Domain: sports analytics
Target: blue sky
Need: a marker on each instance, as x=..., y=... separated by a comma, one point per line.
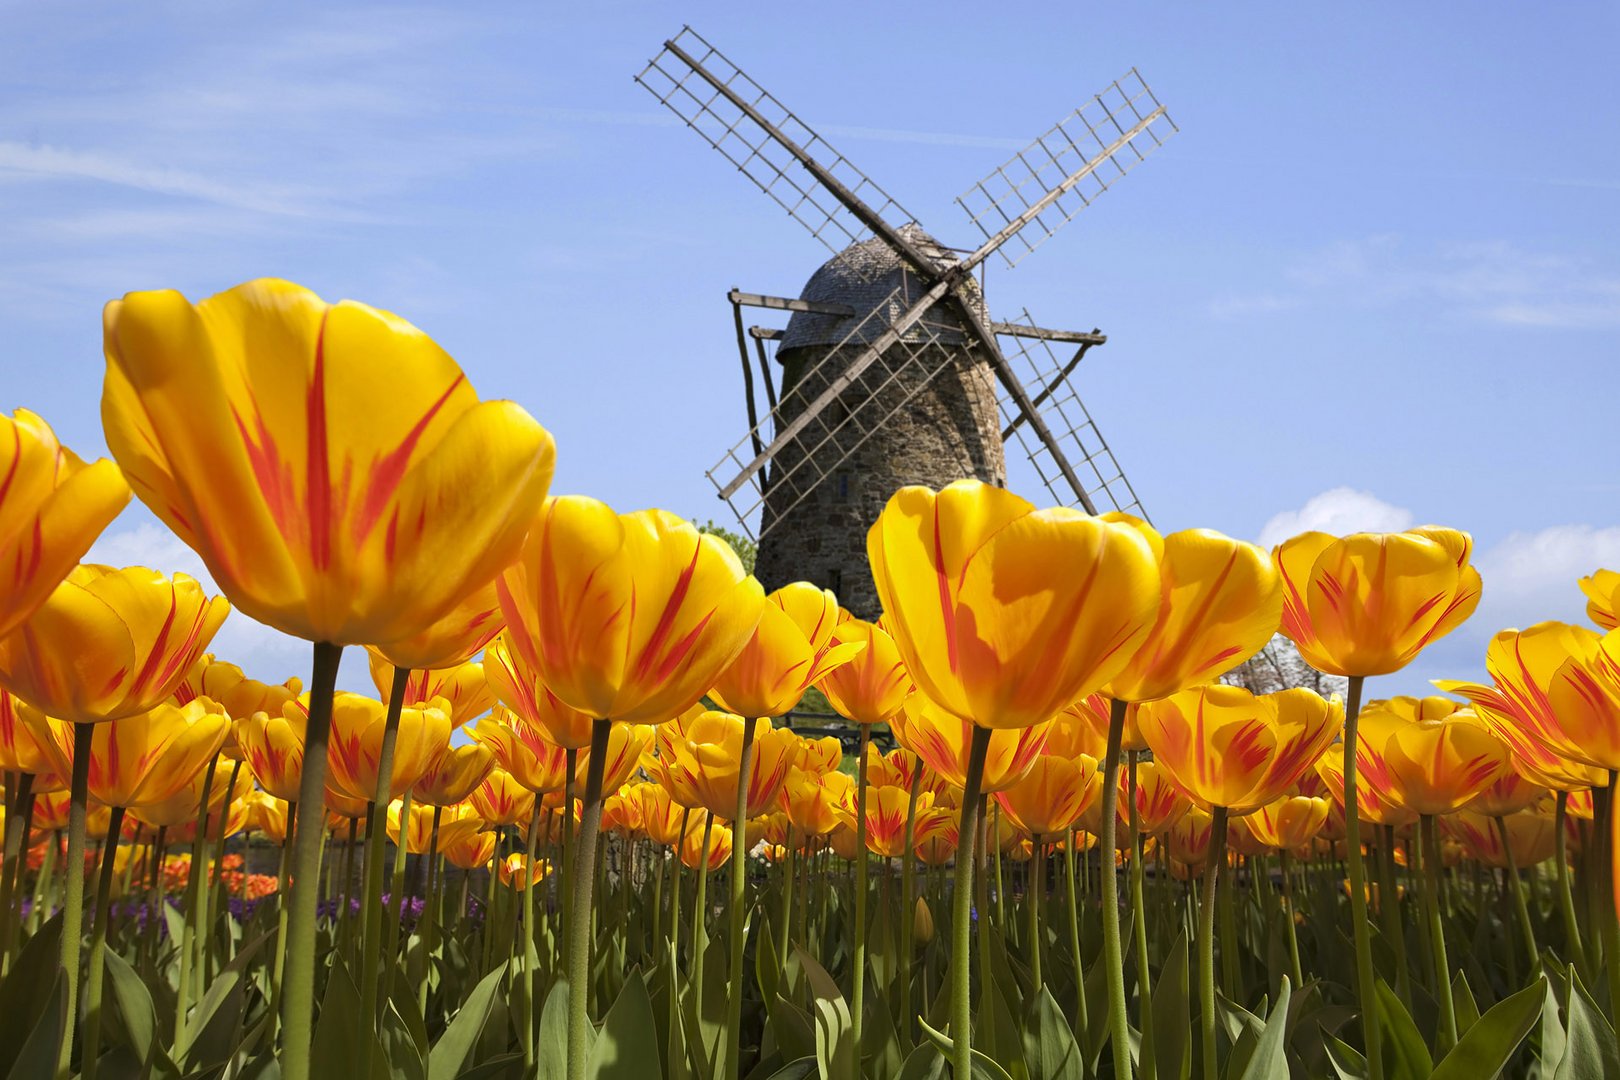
x=1374, y=282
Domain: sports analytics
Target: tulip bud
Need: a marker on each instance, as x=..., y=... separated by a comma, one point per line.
x=922, y=924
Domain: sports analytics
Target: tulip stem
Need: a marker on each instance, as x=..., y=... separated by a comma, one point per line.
x=1119, y=1031
x=1605, y=800
x=785, y=869
x=1082, y=1021
x=1566, y=899
x=98, y=949
x=1288, y=916
x=73, y=886
x=579, y=921
x=298, y=991
x=432, y=901
x=1389, y=908
x=1147, y=1067
x=376, y=831
x=189, y=929
x=739, y=895
x=674, y=947
x=908, y=902
x=281, y=919
x=1206, y=937
x=397, y=895
x=962, y=910
x=1437, y=938
x=700, y=917
x=20, y=805
x=1521, y=908
x=1366, y=978
x=525, y=959
x=857, y=995
x=1032, y=900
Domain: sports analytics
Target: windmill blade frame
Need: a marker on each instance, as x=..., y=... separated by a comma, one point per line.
x=1062, y=172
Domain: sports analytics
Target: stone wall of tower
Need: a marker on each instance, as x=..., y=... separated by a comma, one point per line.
x=950, y=430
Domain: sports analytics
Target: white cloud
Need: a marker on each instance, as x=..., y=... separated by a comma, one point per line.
x=1488, y=281
x=1530, y=576
x=1338, y=511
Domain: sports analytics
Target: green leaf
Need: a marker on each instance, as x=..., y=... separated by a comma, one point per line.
x=1049, y=1047
x=1464, y=1006
x=340, y=1046
x=1590, y=1052
x=1485, y=1049
x=982, y=1065
x=1347, y=1062
x=213, y=1028
x=131, y=1018
x=1172, y=1021
x=627, y=1046
x=1550, y=1052
x=399, y=1045
x=449, y=1055
x=924, y=1063
x=800, y=1069
x=1269, y=1062
x=36, y=1054
x=793, y=1028
x=21, y=1003
x=1406, y=1057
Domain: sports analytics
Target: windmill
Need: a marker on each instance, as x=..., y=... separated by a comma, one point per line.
x=893, y=370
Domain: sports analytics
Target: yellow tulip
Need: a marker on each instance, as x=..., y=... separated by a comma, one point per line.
x=517, y=872
x=626, y=616
x=23, y=747
x=273, y=746
x=453, y=774
x=1050, y=798
x=516, y=682
x=1437, y=757
x=707, y=763
x=1226, y=747
x=268, y=814
x=330, y=463
x=627, y=743
x=1375, y=794
x=1367, y=604
x=502, y=800
x=943, y=742
x=660, y=815
x=1602, y=591
x=871, y=685
x=791, y=649
x=420, y=832
x=108, y=643
x=180, y=808
x=1159, y=802
x=462, y=685
x=814, y=801
x=355, y=752
x=1553, y=748
x=1188, y=839
x=141, y=759
x=535, y=762
x=465, y=843
x=719, y=850
x=1005, y=614
x=1532, y=836
x=52, y=508
x=1220, y=602
x=822, y=755
x=448, y=643
x=1287, y=823
x=621, y=812
x=237, y=694
x=886, y=811
x=1509, y=793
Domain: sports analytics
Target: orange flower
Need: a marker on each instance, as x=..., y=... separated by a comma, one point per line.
x=942, y=741
x=886, y=812
x=23, y=748
x=1052, y=795
x=872, y=685
x=52, y=507
x=330, y=463
x=1220, y=602
x=1290, y=822
x=1437, y=757
x=461, y=685
x=706, y=762
x=627, y=744
x=791, y=649
x=517, y=872
x=822, y=755
x=420, y=833
x=814, y=802
x=1509, y=793
x=1367, y=604
x=502, y=800
x=537, y=763
x=518, y=685
x=141, y=759
x=237, y=694
x=108, y=643
x=1188, y=839
x=627, y=616
x=1375, y=793
x=180, y=808
x=660, y=815
x=354, y=756
x=453, y=774
x=719, y=851
x=1159, y=803
x=273, y=747
x=1532, y=836
x=1224, y=746
x=1524, y=665
x=986, y=626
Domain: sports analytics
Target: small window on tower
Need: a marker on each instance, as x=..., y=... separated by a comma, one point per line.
x=837, y=581
x=841, y=482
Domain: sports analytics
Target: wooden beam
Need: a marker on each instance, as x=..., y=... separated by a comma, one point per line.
x=782, y=303
x=1073, y=337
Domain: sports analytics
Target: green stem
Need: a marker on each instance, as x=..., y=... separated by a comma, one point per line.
x=1288, y=917
x=579, y=925
x=298, y=991
x=785, y=870
x=1566, y=898
x=430, y=912
x=525, y=959
x=675, y=884
x=1366, y=977
x=1081, y=1020
x=189, y=927
x=89, y=1058
x=1119, y=1029
x=1229, y=952
x=1389, y=910
x=1437, y=938
x=19, y=808
x=962, y=913
x=279, y=970
x=1147, y=1066
x=220, y=894
x=908, y=908
x=1206, y=938
x=739, y=886
x=376, y=831
x=1610, y=913
x=1032, y=900
x=73, y=890
x=1519, y=904
x=857, y=975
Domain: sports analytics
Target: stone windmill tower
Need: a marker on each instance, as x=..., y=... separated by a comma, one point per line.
x=892, y=370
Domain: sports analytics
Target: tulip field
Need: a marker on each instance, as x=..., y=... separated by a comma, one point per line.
x=572, y=835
